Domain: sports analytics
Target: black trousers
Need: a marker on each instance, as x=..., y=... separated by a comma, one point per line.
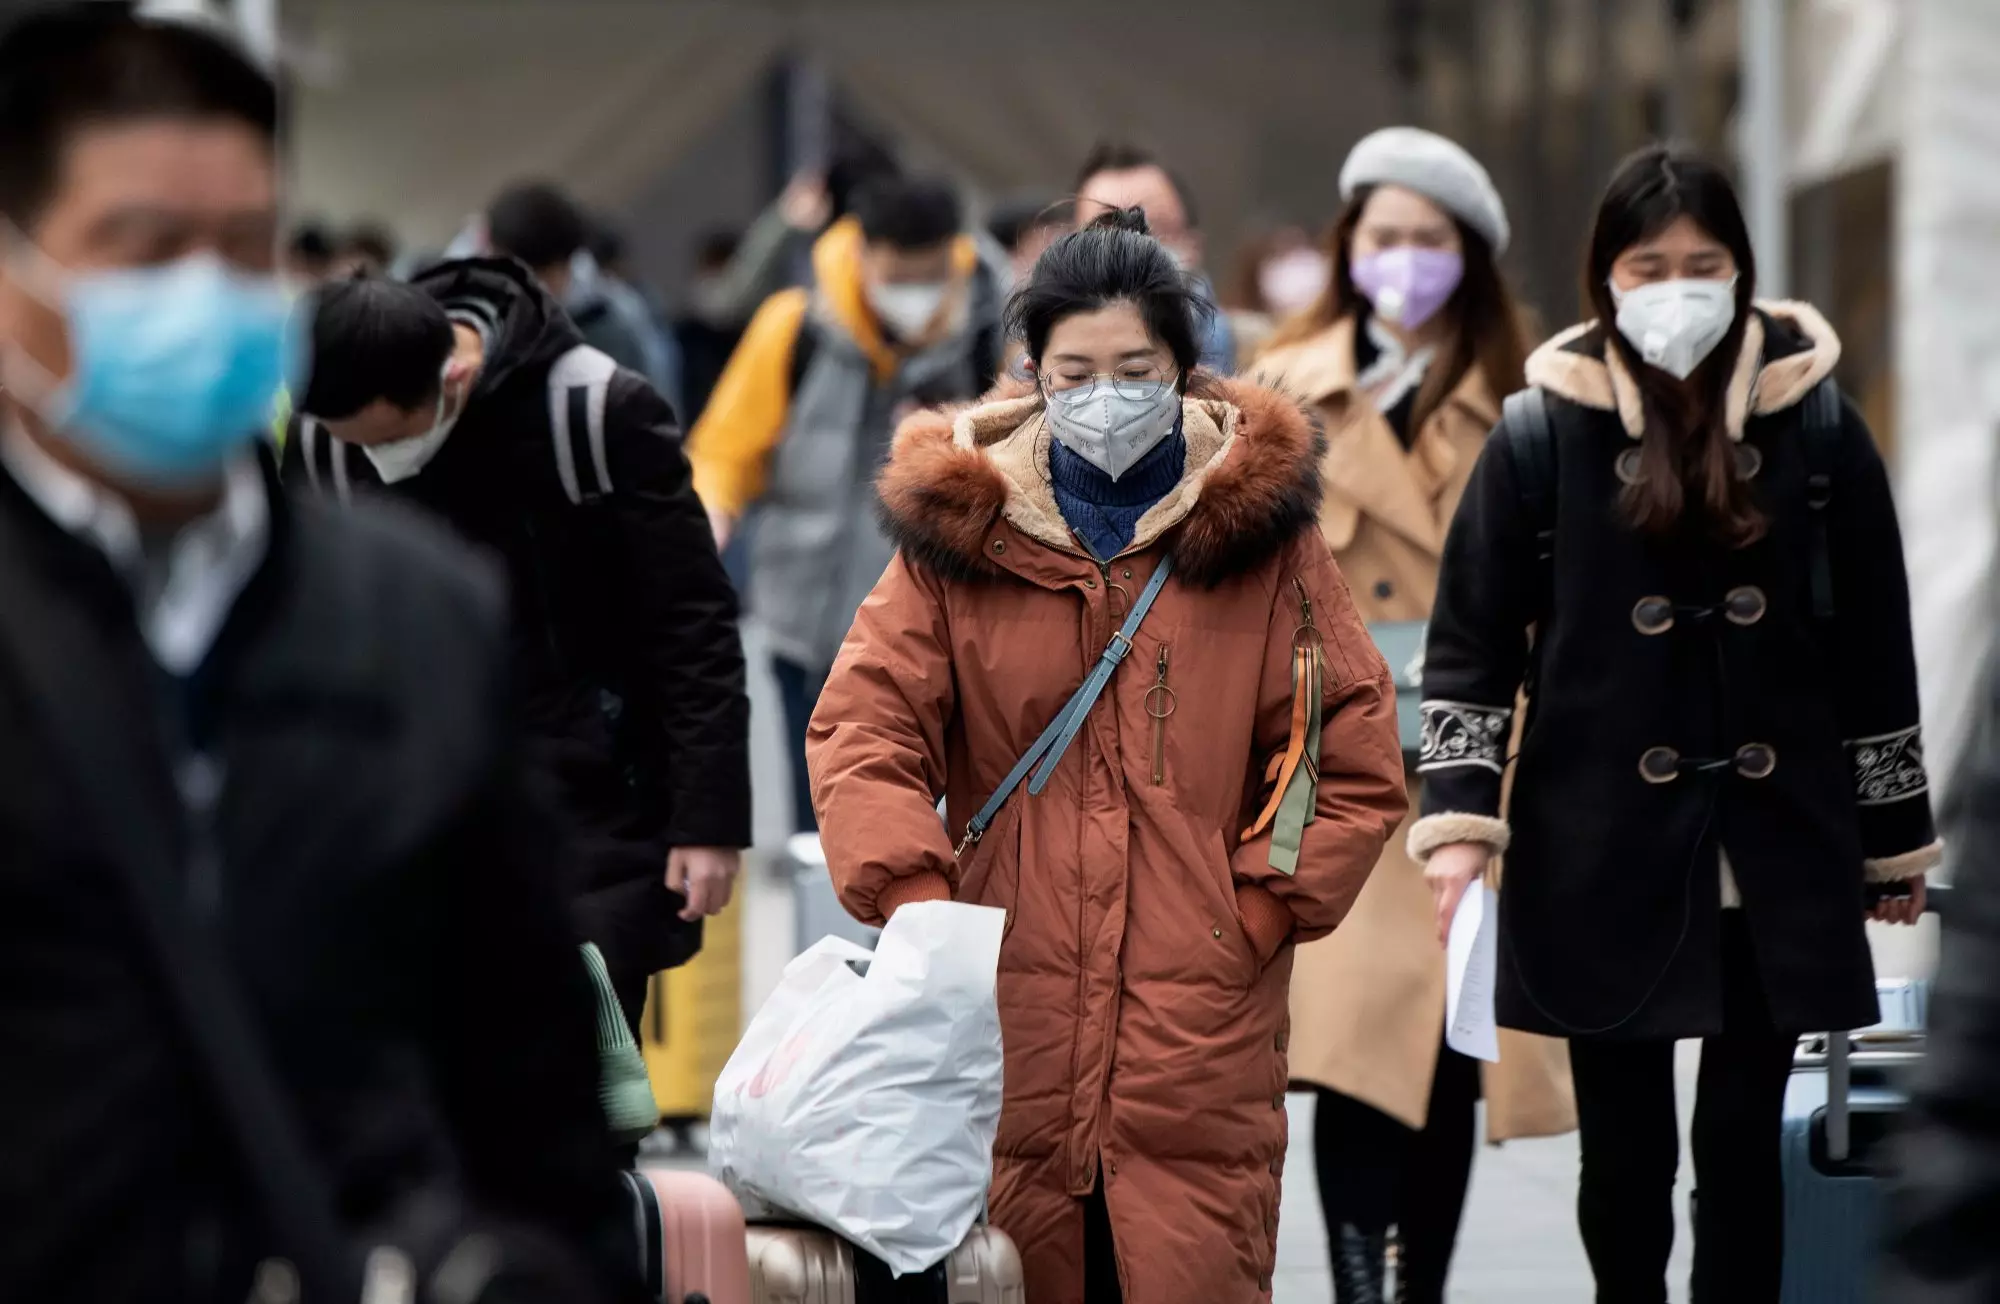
x=798, y=692
x=1375, y=1173
x=1631, y=1150
x=1100, y=1259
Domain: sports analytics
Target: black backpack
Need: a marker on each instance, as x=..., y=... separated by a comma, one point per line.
x=1528, y=428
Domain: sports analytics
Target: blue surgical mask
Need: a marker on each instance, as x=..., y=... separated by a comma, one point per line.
x=173, y=369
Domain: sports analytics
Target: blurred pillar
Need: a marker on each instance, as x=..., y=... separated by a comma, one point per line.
x=1601, y=132
x=1680, y=71
x=1763, y=146
x=1536, y=199
x=1406, y=57
x=808, y=115
x=1948, y=350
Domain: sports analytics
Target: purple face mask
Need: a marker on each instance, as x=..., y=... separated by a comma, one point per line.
x=1408, y=286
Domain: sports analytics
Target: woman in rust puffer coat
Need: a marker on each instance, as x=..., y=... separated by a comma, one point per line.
x=1154, y=889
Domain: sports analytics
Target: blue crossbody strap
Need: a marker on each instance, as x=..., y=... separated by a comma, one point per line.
x=1062, y=731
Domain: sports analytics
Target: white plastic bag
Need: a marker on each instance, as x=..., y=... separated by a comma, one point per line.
x=866, y=1092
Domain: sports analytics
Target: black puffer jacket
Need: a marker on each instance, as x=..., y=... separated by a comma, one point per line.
x=625, y=631
x=383, y=894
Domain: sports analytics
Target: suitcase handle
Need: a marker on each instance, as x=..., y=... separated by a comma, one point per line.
x=1840, y=1060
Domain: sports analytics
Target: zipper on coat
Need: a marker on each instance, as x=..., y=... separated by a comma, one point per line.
x=1160, y=703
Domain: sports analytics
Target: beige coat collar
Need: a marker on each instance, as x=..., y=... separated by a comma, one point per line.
x=1365, y=463
x=1579, y=366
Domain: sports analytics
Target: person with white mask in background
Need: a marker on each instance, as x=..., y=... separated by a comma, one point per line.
x=1404, y=356
x=1690, y=560
x=901, y=313
x=469, y=393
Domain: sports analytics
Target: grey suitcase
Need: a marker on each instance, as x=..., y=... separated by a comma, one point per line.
x=816, y=909
x=1847, y=1094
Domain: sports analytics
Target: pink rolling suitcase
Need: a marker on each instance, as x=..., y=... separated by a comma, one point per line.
x=807, y=1265
x=691, y=1238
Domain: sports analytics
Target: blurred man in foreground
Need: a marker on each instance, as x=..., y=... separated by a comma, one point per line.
x=901, y=314
x=1118, y=176
x=243, y=740
x=469, y=393
x=1946, y=1198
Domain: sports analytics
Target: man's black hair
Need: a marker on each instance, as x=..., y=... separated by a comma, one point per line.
x=908, y=212
x=311, y=242
x=606, y=242
x=370, y=240
x=374, y=338
x=1124, y=156
x=536, y=223
x=1013, y=220
x=83, y=65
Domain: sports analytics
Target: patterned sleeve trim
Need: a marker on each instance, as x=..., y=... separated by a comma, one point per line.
x=1889, y=768
x=1461, y=734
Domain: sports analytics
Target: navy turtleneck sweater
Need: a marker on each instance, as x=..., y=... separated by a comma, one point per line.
x=1105, y=512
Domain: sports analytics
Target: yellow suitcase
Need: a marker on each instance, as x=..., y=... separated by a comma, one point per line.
x=693, y=1018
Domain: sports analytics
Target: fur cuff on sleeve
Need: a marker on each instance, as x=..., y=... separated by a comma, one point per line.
x=1434, y=831
x=1911, y=864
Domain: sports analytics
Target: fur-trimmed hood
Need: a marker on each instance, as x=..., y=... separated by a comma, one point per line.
x=1787, y=349
x=1251, y=483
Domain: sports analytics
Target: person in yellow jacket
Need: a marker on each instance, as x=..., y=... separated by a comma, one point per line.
x=900, y=313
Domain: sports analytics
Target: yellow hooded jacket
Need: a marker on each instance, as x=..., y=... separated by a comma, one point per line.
x=746, y=416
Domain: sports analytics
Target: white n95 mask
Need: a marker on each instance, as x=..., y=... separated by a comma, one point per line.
x=907, y=309
x=1110, y=430
x=1676, y=324
x=398, y=461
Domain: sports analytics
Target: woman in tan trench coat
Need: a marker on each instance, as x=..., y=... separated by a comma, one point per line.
x=1155, y=886
x=1405, y=359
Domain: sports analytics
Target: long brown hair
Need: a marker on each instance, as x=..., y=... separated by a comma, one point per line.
x=1486, y=327
x=1686, y=455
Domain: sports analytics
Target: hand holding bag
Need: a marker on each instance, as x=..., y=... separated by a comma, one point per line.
x=865, y=1095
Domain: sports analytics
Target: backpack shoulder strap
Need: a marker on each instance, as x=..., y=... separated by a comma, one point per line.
x=1531, y=441
x=325, y=461
x=1819, y=434
x=579, y=382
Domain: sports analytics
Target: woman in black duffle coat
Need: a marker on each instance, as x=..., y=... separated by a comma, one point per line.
x=1721, y=775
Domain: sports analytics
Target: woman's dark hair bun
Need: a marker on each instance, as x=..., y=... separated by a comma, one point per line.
x=1114, y=259
x=1131, y=219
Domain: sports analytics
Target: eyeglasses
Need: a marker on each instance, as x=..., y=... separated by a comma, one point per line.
x=1134, y=381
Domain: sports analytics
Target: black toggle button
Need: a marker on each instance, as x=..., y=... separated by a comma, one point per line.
x=1749, y=461
x=1745, y=605
x=1660, y=765
x=1653, y=615
x=1384, y=589
x=1627, y=466
x=1756, y=760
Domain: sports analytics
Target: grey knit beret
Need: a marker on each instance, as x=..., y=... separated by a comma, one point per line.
x=1435, y=168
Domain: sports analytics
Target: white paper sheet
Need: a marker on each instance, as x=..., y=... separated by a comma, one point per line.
x=1471, y=961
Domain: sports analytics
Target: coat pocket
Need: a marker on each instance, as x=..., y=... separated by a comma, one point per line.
x=1229, y=929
